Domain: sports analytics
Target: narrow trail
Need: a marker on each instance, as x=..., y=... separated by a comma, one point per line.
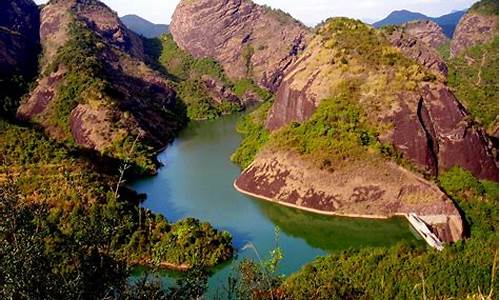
x=479, y=74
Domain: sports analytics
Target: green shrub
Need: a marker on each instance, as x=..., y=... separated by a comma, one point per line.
x=473, y=76
x=255, y=135
x=409, y=272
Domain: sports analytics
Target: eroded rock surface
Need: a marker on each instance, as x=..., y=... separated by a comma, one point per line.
x=138, y=102
x=247, y=39
x=419, y=41
x=474, y=29
x=428, y=32
x=375, y=189
x=428, y=124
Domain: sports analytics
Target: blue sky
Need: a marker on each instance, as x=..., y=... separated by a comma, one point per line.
x=309, y=12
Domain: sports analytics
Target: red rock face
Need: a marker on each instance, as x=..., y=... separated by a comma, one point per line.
x=428, y=32
x=375, y=189
x=472, y=30
x=418, y=41
x=428, y=125
x=138, y=101
x=19, y=37
x=247, y=39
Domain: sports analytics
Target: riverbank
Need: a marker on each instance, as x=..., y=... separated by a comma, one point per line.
x=356, y=190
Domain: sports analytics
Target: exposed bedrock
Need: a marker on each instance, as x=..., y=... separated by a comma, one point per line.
x=249, y=40
x=419, y=40
x=474, y=29
x=374, y=189
x=137, y=101
x=427, y=123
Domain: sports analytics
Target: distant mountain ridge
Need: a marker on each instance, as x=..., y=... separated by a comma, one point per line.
x=448, y=22
x=144, y=27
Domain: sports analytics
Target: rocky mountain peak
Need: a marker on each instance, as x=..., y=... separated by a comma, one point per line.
x=249, y=40
x=429, y=32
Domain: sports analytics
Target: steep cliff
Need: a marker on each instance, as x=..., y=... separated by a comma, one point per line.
x=247, y=39
x=414, y=111
x=419, y=41
x=478, y=26
x=19, y=48
x=95, y=90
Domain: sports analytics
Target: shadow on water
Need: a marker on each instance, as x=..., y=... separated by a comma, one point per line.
x=331, y=233
x=197, y=181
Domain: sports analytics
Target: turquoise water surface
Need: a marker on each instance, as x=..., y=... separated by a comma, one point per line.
x=197, y=181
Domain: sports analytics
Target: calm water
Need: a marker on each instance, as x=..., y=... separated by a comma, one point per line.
x=197, y=181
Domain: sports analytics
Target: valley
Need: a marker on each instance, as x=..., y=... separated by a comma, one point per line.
x=244, y=155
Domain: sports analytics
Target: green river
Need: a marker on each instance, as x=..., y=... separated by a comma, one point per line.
x=197, y=181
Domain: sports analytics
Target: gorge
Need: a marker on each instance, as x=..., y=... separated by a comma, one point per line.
x=259, y=157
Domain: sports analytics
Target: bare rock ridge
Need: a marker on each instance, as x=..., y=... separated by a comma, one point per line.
x=19, y=37
x=428, y=125
x=419, y=41
x=478, y=26
x=136, y=101
x=247, y=39
x=428, y=32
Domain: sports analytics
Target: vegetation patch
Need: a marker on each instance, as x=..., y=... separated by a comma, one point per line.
x=473, y=76
x=410, y=272
x=77, y=227
x=485, y=7
x=255, y=135
x=189, y=74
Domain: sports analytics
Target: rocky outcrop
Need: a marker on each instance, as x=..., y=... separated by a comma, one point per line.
x=426, y=122
x=478, y=26
x=19, y=38
x=247, y=39
x=428, y=32
x=375, y=189
x=135, y=102
x=218, y=91
x=419, y=41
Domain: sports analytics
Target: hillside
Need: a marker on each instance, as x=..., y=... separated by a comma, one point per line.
x=91, y=122
x=94, y=90
x=352, y=126
x=447, y=22
x=144, y=27
x=260, y=44
x=473, y=62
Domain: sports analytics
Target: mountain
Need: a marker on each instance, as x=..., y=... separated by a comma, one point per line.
x=399, y=17
x=448, y=22
x=260, y=43
x=144, y=27
x=419, y=41
x=94, y=89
